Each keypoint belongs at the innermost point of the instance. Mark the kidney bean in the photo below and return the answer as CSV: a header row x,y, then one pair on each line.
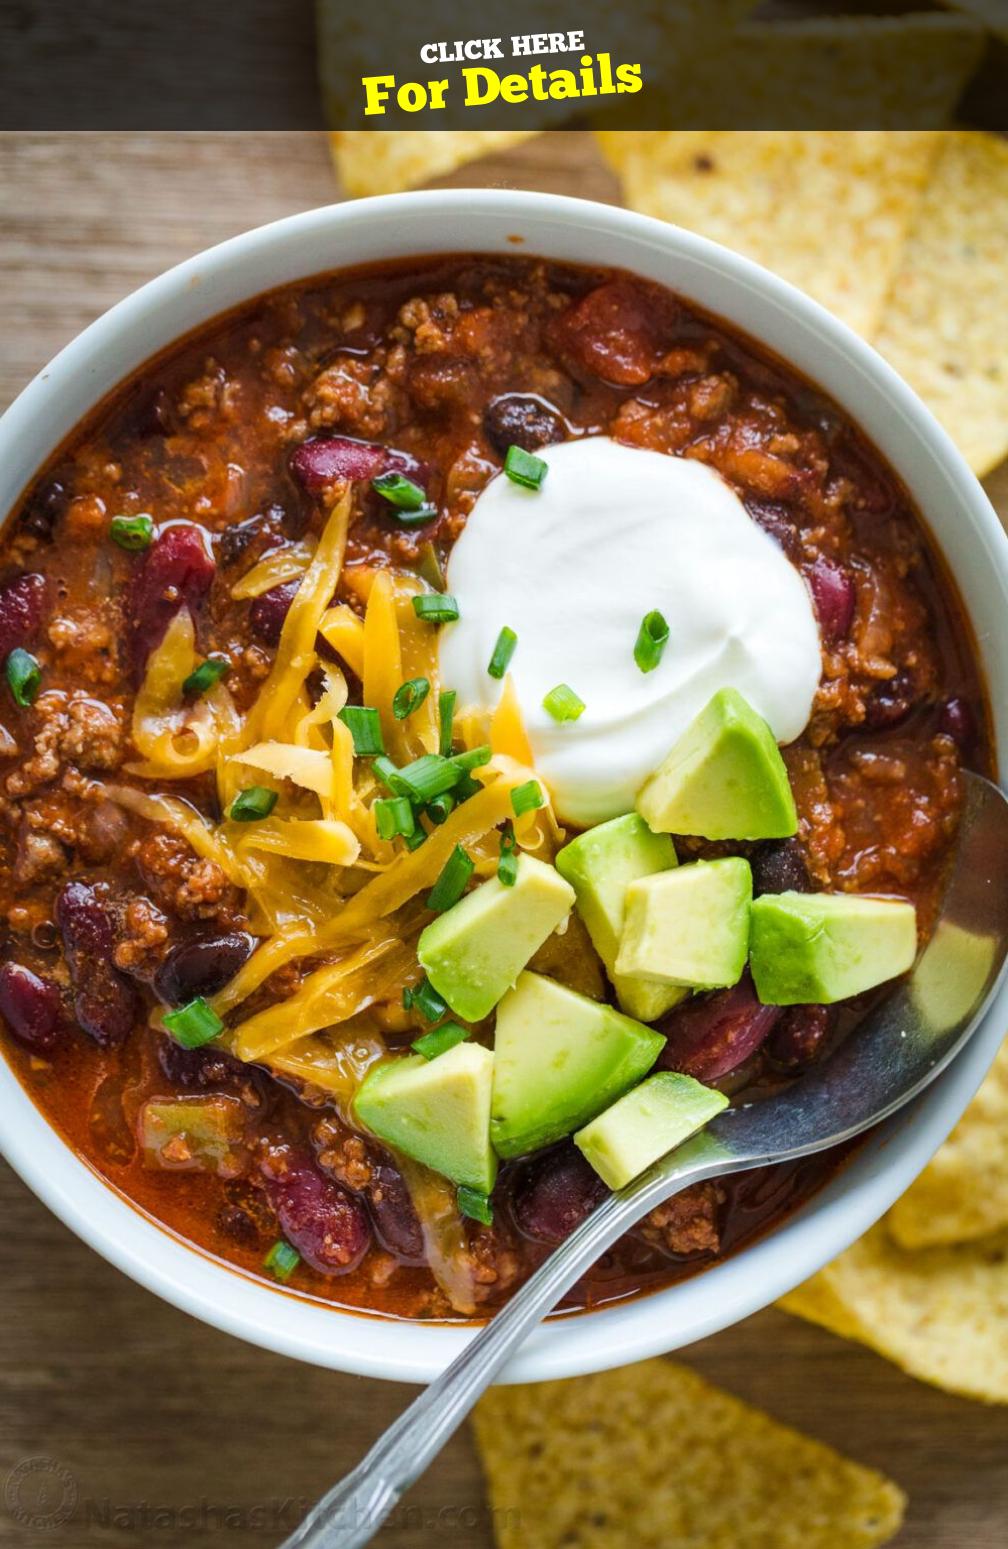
x,y
778,523
522,419
779,867
31,1007
956,720
324,459
270,609
22,601
44,510
709,1037
834,597
553,1193
105,1004
326,1224
202,1067
799,1036
395,1221
610,333
890,702
176,571
201,967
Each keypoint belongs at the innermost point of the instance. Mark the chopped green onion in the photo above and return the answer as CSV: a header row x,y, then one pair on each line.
x,y
252,805
428,776
522,468
430,567
414,840
24,676
282,1260
205,676
364,726
132,532
441,808
393,815
563,704
502,652
466,787
194,1025
474,758
439,1040
452,882
507,865
474,1205
408,498
409,696
446,715
388,774
423,997
652,638
436,607
527,798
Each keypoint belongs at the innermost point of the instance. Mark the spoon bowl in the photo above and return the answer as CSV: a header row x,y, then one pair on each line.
x,y
901,1047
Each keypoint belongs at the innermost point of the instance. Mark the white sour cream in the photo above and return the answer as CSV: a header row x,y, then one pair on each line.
x,y
572,568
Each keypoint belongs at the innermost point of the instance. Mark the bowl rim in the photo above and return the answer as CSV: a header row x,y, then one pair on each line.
x,y
109,350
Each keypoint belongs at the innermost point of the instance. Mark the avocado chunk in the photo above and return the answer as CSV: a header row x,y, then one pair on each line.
x,y
599,865
815,948
475,951
648,1122
724,779
559,1060
436,1111
689,926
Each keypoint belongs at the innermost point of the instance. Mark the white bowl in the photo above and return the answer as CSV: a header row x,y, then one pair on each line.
x,y
958,514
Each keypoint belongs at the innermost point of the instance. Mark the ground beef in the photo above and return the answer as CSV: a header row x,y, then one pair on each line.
x,y
186,884
143,938
688,1222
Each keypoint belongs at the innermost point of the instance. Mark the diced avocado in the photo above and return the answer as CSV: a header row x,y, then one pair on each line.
x,y
436,1111
475,951
560,1059
600,864
724,779
820,947
689,926
648,1122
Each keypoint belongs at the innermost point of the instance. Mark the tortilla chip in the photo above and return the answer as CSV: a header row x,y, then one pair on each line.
x,y
654,1456
383,161
940,1313
993,13
826,209
963,1192
945,326
835,72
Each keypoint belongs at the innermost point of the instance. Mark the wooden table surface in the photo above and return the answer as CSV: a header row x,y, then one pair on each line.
x,y
174,1434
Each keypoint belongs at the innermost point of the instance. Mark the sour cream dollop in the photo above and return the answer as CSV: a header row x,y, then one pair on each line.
x,y
614,532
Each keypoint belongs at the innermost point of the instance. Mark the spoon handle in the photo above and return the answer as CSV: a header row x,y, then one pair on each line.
x,y
353,1510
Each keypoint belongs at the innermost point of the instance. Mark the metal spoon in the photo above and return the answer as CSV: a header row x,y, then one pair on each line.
x,y
890,1058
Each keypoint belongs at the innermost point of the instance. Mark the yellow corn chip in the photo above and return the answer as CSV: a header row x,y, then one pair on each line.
x,y
939,1313
945,326
963,1192
827,210
655,1457
383,161
993,13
